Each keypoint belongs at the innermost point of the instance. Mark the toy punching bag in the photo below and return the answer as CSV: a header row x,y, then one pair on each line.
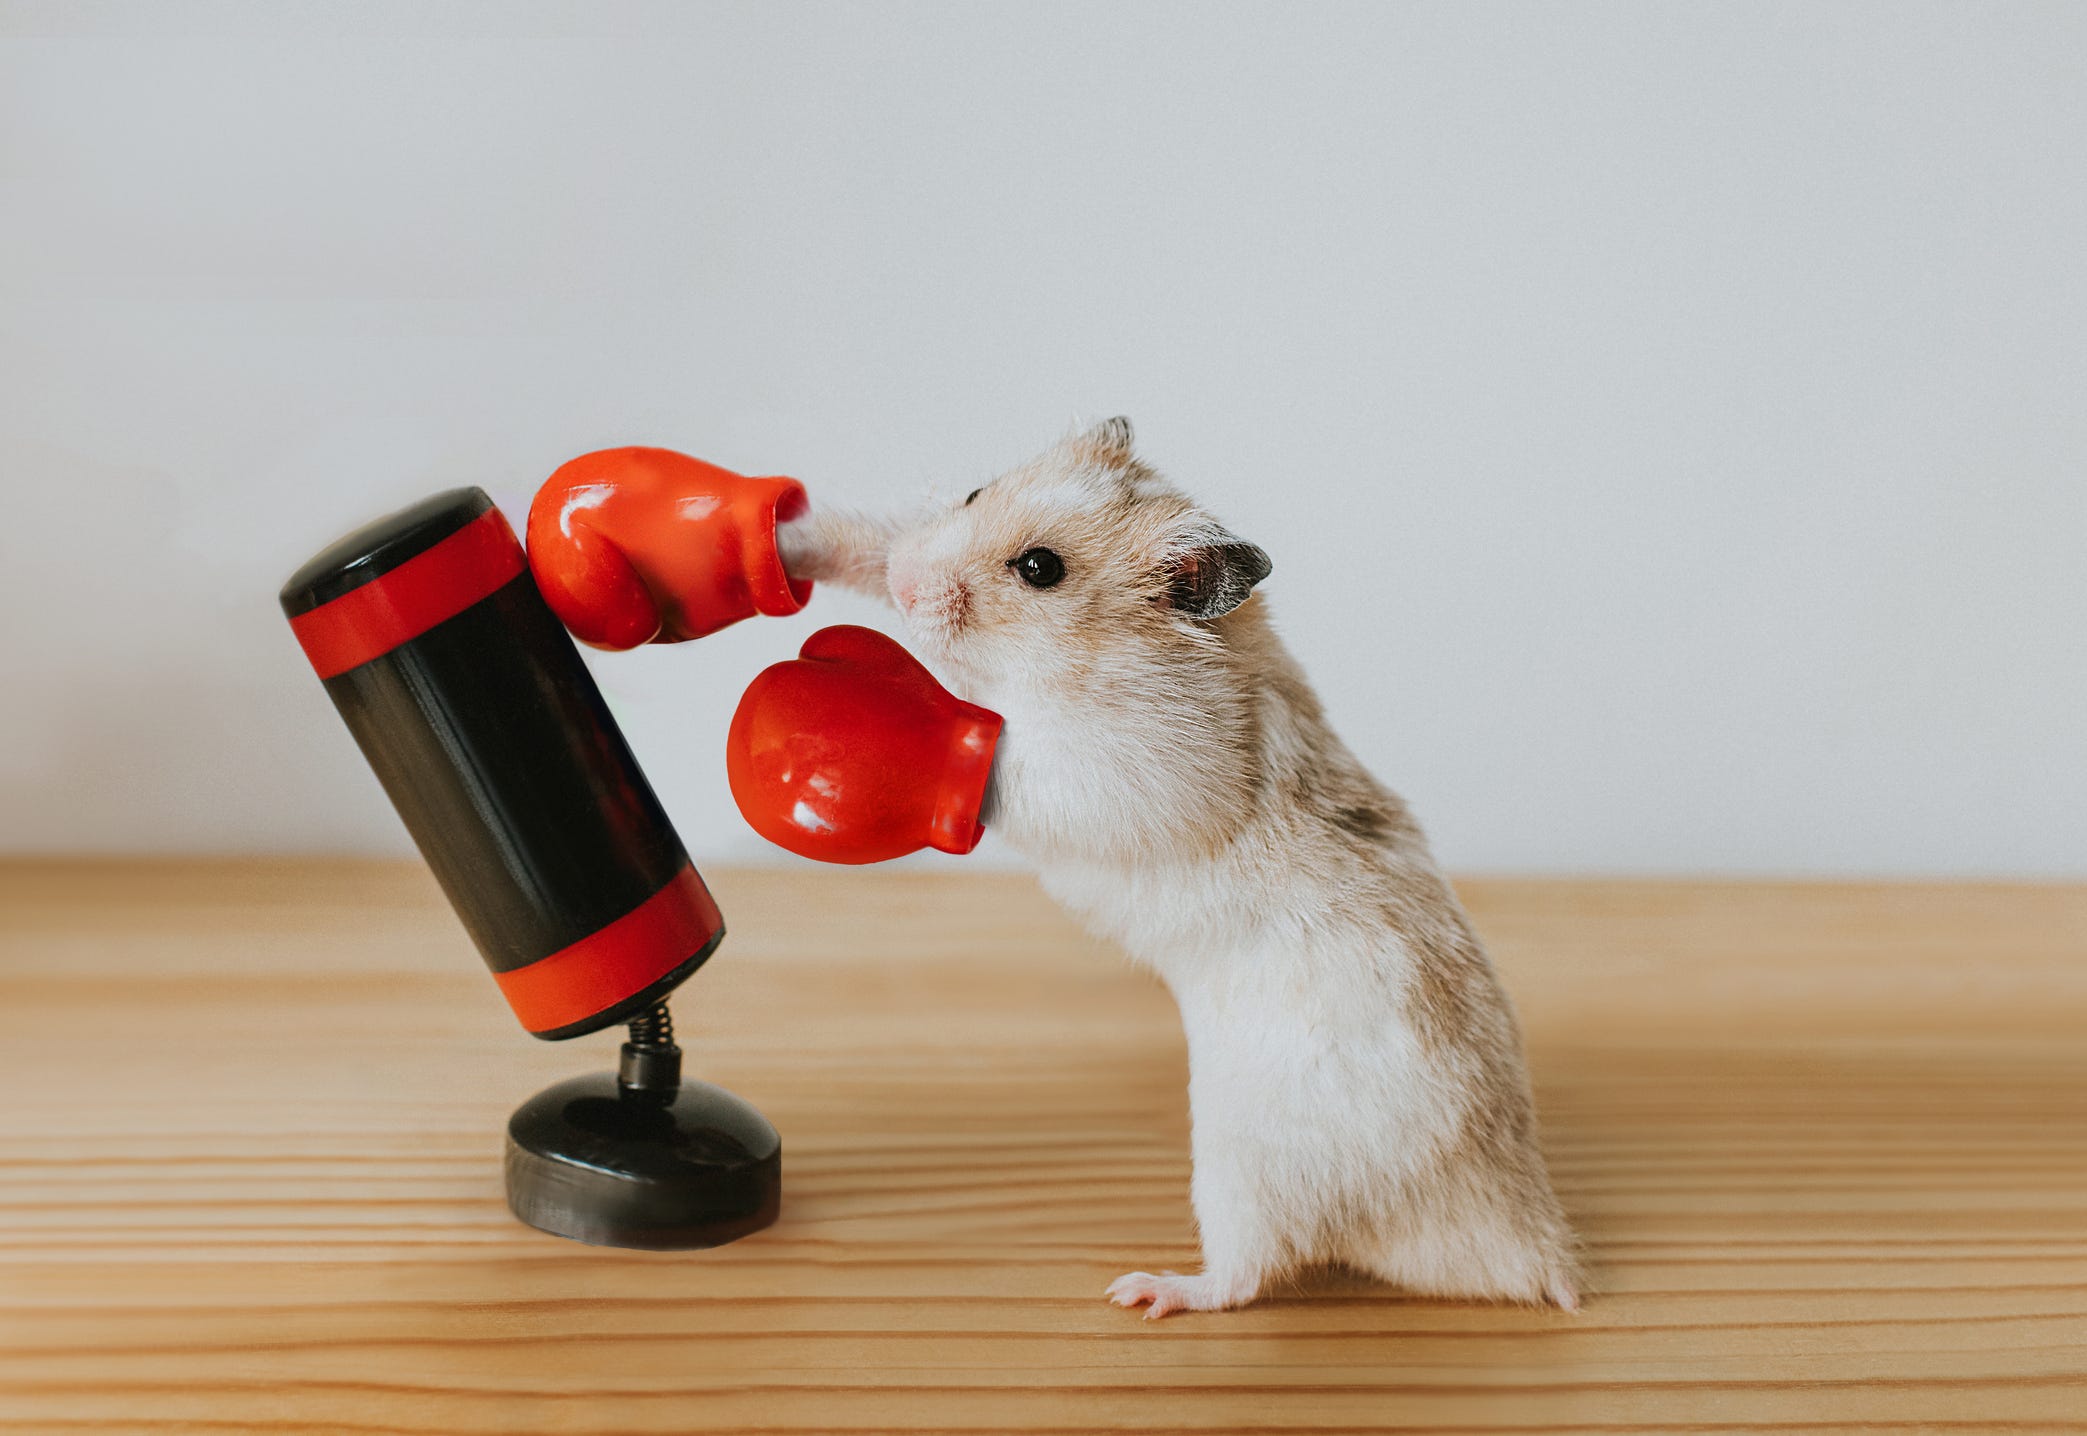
x,y
490,737
483,725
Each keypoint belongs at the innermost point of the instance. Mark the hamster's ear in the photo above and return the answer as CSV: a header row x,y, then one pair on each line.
x,y
1111,437
1215,576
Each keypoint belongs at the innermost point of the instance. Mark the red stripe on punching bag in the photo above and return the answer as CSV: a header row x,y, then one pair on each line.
x,y
395,607
617,961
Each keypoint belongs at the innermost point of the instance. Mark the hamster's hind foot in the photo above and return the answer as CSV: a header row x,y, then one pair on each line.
x,y
1476,1262
1171,1292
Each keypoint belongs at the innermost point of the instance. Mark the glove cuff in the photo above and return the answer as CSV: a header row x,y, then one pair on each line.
x,y
759,507
954,826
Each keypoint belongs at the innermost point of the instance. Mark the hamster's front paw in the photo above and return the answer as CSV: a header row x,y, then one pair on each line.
x,y
838,547
1170,1292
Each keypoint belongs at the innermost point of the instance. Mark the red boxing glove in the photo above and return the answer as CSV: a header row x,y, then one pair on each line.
x,y
853,753
634,546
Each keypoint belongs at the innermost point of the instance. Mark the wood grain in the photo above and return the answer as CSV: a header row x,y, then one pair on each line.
x,y
1828,1145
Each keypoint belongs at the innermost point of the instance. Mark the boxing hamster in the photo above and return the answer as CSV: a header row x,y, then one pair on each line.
x,y
1356,1082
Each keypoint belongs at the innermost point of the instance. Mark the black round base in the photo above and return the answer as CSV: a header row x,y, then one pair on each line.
x,y
598,1162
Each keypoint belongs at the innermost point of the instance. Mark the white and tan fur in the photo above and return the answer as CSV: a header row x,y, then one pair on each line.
x,y
1355,1074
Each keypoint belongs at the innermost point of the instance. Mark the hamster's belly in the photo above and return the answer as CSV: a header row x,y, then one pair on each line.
x,y
1348,1103
1298,1050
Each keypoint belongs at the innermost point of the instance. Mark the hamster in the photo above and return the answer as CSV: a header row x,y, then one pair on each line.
x,y
1356,1083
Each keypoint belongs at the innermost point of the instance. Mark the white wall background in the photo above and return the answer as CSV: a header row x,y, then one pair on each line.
x,y
1669,422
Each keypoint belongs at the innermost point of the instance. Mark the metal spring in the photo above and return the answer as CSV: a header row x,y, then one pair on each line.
x,y
654,1030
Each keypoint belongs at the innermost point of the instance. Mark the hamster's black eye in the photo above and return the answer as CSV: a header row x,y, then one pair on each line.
x,y
972,495
1039,567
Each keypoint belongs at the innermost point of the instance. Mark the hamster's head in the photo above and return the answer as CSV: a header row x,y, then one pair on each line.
x,y
1080,571
1095,608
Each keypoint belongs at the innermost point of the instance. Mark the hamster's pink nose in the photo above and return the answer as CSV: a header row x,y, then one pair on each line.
x,y
904,584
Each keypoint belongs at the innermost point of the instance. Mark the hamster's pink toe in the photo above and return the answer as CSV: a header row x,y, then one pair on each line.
x,y
1164,1294
1131,1288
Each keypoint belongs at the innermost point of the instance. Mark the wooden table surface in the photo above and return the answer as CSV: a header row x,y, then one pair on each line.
x,y
1828,1145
